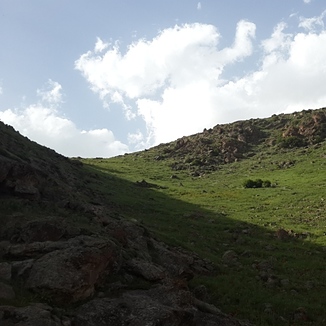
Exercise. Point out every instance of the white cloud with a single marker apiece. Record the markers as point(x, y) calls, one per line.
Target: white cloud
point(198, 5)
point(100, 45)
point(278, 40)
point(313, 23)
point(307, 1)
point(42, 123)
point(167, 77)
point(51, 93)
point(174, 81)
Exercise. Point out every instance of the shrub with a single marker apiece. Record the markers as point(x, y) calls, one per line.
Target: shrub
point(258, 183)
point(249, 183)
point(267, 184)
point(291, 142)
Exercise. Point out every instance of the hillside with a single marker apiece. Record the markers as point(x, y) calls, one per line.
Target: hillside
point(68, 256)
point(169, 235)
point(229, 143)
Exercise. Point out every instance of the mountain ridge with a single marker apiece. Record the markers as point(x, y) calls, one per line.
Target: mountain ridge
point(230, 142)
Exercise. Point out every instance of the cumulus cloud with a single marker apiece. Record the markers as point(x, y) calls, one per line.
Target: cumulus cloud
point(168, 77)
point(43, 123)
point(174, 82)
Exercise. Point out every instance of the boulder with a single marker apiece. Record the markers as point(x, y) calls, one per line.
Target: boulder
point(70, 275)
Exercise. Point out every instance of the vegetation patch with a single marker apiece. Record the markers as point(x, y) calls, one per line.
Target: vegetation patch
point(258, 183)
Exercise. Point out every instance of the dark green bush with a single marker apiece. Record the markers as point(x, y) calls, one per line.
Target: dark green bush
point(291, 142)
point(267, 184)
point(258, 183)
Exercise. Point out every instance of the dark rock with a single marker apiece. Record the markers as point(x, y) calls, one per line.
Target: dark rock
point(71, 274)
point(230, 257)
point(179, 262)
point(147, 270)
point(5, 271)
point(20, 269)
point(36, 315)
point(6, 292)
point(200, 292)
point(282, 234)
point(39, 231)
point(160, 306)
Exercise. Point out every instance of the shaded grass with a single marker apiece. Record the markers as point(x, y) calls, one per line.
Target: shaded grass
point(214, 213)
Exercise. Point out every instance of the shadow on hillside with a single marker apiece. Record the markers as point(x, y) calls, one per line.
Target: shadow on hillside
point(270, 278)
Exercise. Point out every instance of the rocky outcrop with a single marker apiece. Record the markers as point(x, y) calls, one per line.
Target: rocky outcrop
point(206, 151)
point(163, 305)
point(101, 269)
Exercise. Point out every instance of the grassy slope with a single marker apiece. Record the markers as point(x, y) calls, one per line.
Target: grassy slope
point(214, 213)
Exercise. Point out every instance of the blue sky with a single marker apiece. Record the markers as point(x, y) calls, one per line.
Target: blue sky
point(106, 77)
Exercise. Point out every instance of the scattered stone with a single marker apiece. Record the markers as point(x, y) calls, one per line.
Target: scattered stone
point(272, 281)
point(300, 314)
point(282, 234)
point(309, 285)
point(230, 257)
point(270, 248)
point(285, 282)
point(174, 176)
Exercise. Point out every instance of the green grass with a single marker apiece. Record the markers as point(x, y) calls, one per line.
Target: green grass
point(214, 213)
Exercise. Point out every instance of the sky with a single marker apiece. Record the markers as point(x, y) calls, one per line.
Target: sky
point(107, 77)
